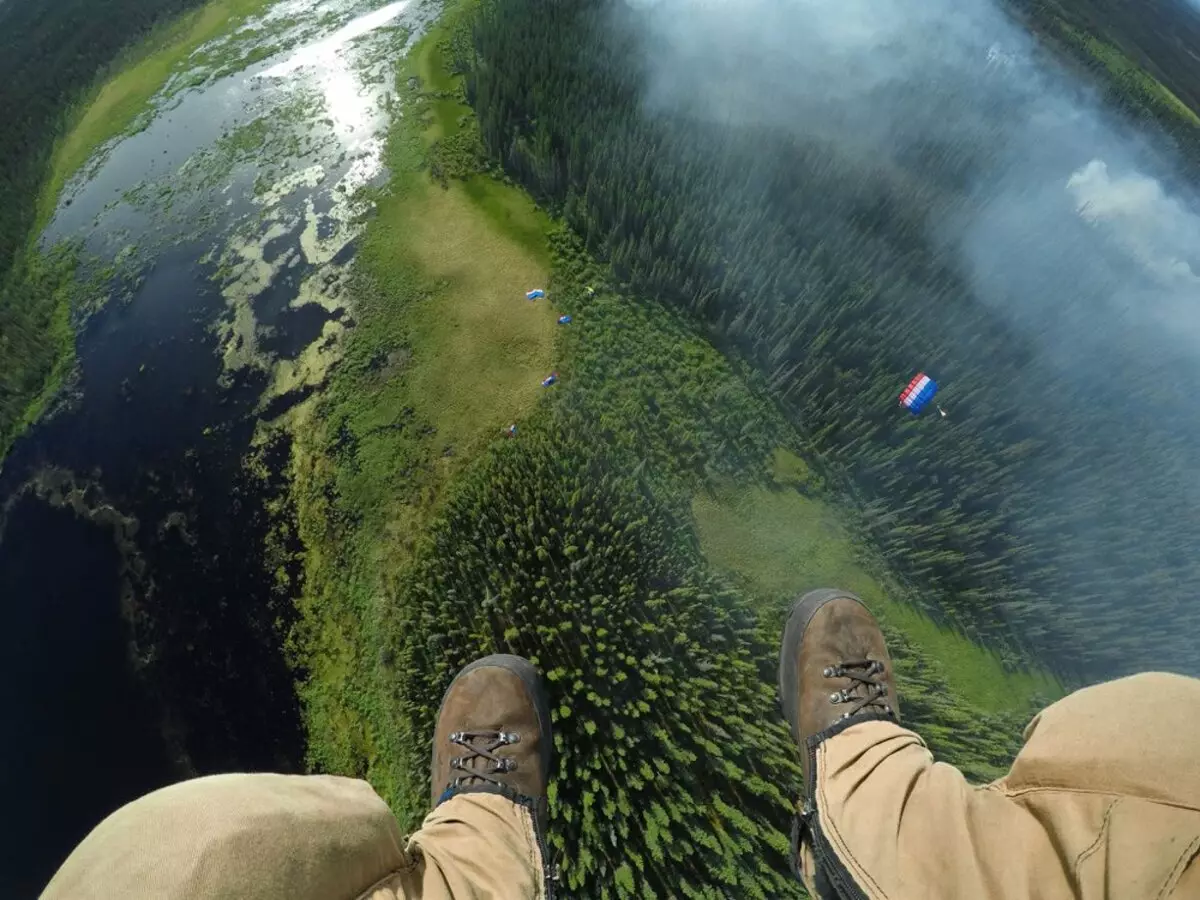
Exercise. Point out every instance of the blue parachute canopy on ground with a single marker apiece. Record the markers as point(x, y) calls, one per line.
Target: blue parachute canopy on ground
point(564, 320)
point(550, 379)
point(918, 393)
point(535, 294)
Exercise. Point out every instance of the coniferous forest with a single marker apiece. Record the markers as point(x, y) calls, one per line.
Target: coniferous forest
point(665, 733)
point(1049, 511)
point(574, 546)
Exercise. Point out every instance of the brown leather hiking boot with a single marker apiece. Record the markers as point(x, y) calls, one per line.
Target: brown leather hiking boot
point(493, 735)
point(834, 670)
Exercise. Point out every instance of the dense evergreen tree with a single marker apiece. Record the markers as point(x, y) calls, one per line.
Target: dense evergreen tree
point(674, 771)
point(675, 775)
point(35, 332)
point(1028, 518)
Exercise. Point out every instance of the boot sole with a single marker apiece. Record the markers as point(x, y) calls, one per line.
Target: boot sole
point(793, 633)
point(534, 686)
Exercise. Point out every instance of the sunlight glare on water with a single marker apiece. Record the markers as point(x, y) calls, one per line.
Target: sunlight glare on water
point(349, 106)
point(325, 52)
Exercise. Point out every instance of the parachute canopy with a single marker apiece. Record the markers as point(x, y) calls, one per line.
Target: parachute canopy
point(550, 379)
point(918, 393)
point(564, 320)
point(536, 294)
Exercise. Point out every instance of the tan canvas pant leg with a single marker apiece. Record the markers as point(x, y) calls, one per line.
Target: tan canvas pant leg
point(301, 838)
point(472, 847)
point(1103, 801)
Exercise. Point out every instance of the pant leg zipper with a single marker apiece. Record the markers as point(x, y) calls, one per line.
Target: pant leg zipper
point(550, 871)
point(827, 860)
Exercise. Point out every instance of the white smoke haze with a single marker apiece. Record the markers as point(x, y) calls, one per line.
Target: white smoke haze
point(1066, 199)
point(1080, 233)
point(874, 75)
point(1155, 228)
point(831, 67)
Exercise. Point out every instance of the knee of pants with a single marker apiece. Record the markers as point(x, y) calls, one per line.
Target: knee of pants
point(1123, 737)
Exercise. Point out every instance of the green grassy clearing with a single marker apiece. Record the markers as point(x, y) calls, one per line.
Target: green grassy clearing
point(783, 543)
point(511, 214)
point(486, 348)
point(458, 260)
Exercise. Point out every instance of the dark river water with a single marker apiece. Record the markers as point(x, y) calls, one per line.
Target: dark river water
point(81, 733)
point(143, 629)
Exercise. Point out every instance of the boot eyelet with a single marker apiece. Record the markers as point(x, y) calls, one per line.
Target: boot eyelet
point(456, 736)
point(829, 672)
point(507, 764)
point(455, 762)
point(835, 697)
point(510, 737)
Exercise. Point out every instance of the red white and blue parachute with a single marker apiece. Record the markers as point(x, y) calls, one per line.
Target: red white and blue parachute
point(918, 393)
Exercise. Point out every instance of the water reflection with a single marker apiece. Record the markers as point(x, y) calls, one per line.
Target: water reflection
point(351, 108)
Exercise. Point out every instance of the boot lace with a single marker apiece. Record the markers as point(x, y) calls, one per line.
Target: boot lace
point(868, 686)
point(481, 747)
